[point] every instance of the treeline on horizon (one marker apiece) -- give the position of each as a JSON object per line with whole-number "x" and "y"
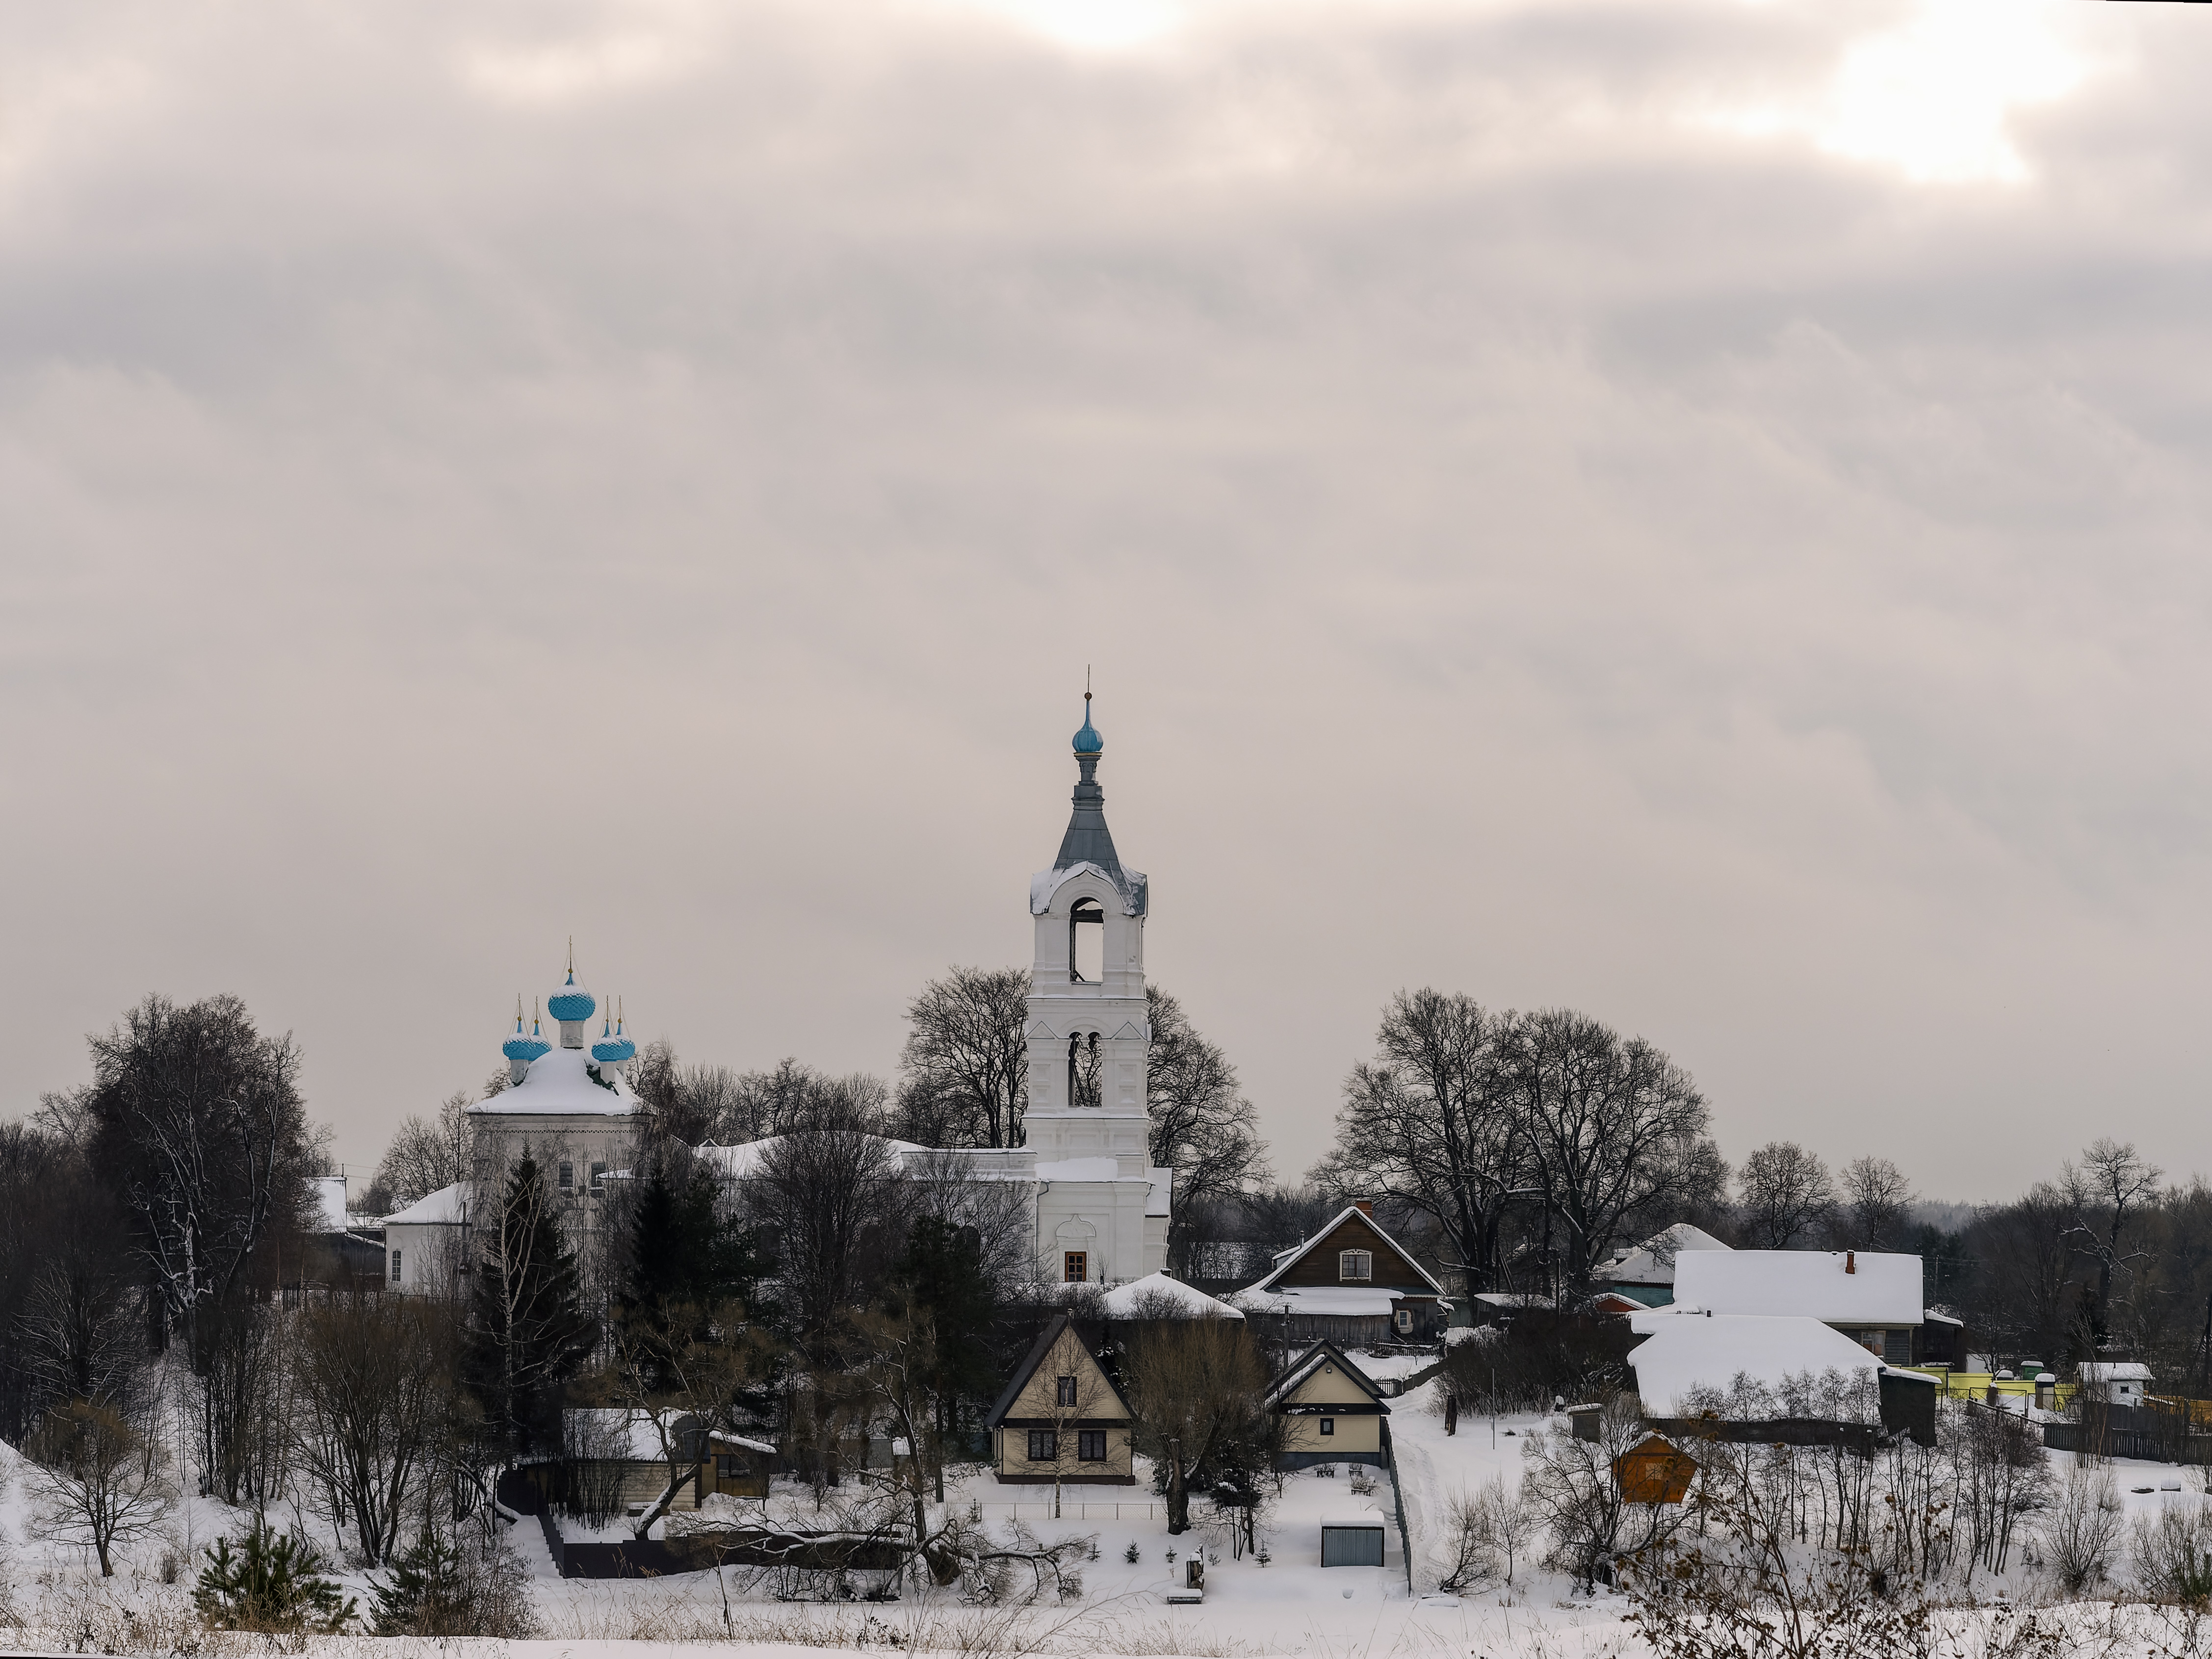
{"x": 152, "y": 1218}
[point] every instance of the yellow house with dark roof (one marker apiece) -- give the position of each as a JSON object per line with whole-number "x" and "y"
{"x": 1332, "y": 1410}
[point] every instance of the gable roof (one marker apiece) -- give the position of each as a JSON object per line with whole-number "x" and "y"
{"x": 1310, "y": 1361}
{"x": 1290, "y": 1259}
{"x": 1652, "y": 1262}
{"x": 1683, "y": 1352}
{"x": 1844, "y": 1287}
{"x": 1035, "y": 1357}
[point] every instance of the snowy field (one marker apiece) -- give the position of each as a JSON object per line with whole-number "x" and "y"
{"x": 1286, "y": 1604}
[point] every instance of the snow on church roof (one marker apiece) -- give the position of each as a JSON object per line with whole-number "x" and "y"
{"x": 446, "y": 1206}
{"x": 558, "y": 1083}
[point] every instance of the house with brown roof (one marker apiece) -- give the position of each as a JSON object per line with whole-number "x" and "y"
{"x": 1351, "y": 1284}
{"x": 1060, "y": 1419}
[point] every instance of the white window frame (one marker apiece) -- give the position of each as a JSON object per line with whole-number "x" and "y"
{"x": 396, "y": 1254}
{"x": 1355, "y": 1267}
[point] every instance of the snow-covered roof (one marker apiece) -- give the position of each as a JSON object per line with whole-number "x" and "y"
{"x": 1157, "y": 1297}
{"x": 1341, "y": 1301}
{"x": 446, "y": 1205}
{"x": 1353, "y": 1518}
{"x": 1841, "y": 1287}
{"x": 1684, "y": 1353}
{"x": 1321, "y": 1353}
{"x": 2114, "y": 1370}
{"x": 558, "y": 1084}
{"x": 330, "y": 1203}
{"x": 1652, "y": 1262}
{"x": 1289, "y": 1259}
{"x": 627, "y": 1433}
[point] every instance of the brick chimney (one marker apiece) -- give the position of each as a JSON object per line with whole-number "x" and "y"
{"x": 1365, "y": 1206}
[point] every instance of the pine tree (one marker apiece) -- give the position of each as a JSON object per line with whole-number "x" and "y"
{"x": 276, "y": 1582}
{"x": 428, "y": 1594}
{"x": 530, "y": 1334}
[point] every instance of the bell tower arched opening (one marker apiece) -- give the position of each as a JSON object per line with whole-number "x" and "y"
{"x": 1086, "y": 943}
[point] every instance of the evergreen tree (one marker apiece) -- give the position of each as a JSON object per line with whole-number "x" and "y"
{"x": 278, "y": 1581}
{"x": 941, "y": 1271}
{"x": 428, "y": 1594}
{"x": 530, "y": 1334}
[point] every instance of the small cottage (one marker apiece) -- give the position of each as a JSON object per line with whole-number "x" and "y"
{"x": 1350, "y": 1283}
{"x": 1061, "y": 1418}
{"x": 618, "y": 1460}
{"x": 1652, "y": 1470}
{"x": 1332, "y": 1410}
{"x": 2122, "y": 1382}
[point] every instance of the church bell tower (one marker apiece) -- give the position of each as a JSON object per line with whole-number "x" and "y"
{"x": 1089, "y": 1035}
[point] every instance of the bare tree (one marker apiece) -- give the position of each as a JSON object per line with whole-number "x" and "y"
{"x": 2027, "y": 1267}
{"x": 101, "y": 1476}
{"x": 1191, "y": 1382}
{"x": 427, "y": 1154}
{"x": 1202, "y": 1126}
{"x": 1875, "y": 1199}
{"x": 967, "y": 1054}
{"x": 2108, "y": 1189}
{"x": 1434, "y": 1121}
{"x": 1614, "y": 1130}
{"x": 1783, "y": 1194}
{"x": 374, "y": 1373}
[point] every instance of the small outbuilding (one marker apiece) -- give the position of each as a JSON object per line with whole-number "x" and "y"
{"x": 1655, "y": 1470}
{"x": 1350, "y": 1283}
{"x": 2123, "y": 1381}
{"x": 1352, "y": 1539}
{"x": 1332, "y": 1410}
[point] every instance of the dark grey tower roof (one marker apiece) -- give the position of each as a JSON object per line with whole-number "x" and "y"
{"x": 1088, "y": 841}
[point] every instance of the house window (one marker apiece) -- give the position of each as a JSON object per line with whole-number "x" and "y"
{"x": 1090, "y": 1446}
{"x": 568, "y": 1177}
{"x": 1355, "y": 1265}
{"x": 1405, "y": 1319}
{"x": 395, "y": 1267}
{"x": 598, "y": 1178}
{"x": 1328, "y": 1425}
{"x": 1065, "y": 1394}
{"x": 1044, "y": 1446}
{"x": 1074, "y": 1265}
{"x": 728, "y": 1467}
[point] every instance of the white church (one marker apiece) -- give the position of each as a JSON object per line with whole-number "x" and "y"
{"x": 1098, "y": 1206}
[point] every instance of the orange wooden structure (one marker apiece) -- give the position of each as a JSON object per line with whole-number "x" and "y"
{"x": 1653, "y": 1472}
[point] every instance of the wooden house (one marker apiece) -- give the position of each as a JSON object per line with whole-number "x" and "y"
{"x": 1061, "y": 1418}
{"x": 616, "y": 1460}
{"x": 1350, "y": 1284}
{"x": 1332, "y": 1410}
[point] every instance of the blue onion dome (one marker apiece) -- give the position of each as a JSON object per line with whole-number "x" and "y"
{"x": 572, "y": 1001}
{"x": 524, "y": 1046}
{"x": 1087, "y": 741}
{"x": 612, "y": 1048}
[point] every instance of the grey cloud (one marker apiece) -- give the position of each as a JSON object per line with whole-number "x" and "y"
{"x": 1527, "y": 541}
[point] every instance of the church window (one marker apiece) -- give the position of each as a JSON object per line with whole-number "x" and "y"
{"x": 395, "y": 1267}
{"x": 1086, "y": 943}
{"x": 1085, "y": 1070}
{"x": 1065, "y": 1395}
{"x": 1357, "y": 1265}
{"x": 1074, "y": 1265}
{"x": 598, "y": 1178}
{"x": 568, "y": 1177}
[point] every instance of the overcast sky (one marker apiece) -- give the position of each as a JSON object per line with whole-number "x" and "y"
{"x": 1693, "y": 512}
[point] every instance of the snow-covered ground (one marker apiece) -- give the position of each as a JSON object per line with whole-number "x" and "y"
{"x": 1287, "y": 1605}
